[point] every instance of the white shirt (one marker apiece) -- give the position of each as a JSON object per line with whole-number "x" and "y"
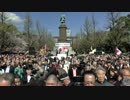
{"x": 66, "y": 67}
{"x": 1, "y": 71}
{"x": 28, "y": 78}
{"x": 74, "y": 72}
{"x": 45, "y": 67}
{"x": 7, "y": 69}
{"x": 67, "y": 62}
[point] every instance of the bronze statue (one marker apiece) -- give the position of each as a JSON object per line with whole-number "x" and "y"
{"x": 62, "y": 19}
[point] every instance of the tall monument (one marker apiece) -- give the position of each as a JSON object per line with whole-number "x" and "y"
{"x": 62, "y": 46}
{"x": 62, "y": 30}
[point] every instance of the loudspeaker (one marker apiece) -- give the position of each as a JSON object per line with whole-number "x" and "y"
{"x": 32, "y": 51}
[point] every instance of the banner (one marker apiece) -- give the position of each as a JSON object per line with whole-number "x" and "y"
{"x": 59, "y": 56}
{"x": 62, "y": 44}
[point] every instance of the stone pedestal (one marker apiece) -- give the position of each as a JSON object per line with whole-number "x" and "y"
{"x": 62, "y": 33}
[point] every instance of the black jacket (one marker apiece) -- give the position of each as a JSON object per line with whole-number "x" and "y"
{"x": 70, "y": 84}
{"x": 11, "y": 69}
{"x": 105, "y": 83}
{"x": 25, "y": 82}
{"x": 70, "y": 73}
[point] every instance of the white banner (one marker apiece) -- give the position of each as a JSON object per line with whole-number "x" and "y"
{"x": 62, "y": 44}
{"x": 61, "y": 55}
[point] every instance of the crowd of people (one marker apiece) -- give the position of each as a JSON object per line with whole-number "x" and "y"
{"x": 91, "y": 70}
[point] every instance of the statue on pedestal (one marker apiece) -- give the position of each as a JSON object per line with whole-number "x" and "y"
{"x": 62, "y": 19}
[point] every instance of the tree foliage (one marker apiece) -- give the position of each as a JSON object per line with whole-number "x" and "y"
{"x": 117, "y": 34}
{"x": 7, "y": 32}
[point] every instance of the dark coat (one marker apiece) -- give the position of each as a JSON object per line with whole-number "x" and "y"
{"x": 105, "y": 83}
{"x": 118, "y": 83}
{"x": 11, "y": 69}
{"x": 70, "y": 73}
{"x": 70, "y": 84}
{"x": 25, "y": 82}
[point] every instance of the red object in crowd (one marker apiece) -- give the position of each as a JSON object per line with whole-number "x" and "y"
{"x": 118, "y": 52}
{"x": 56, "y": 66}
{"x": 64, "y": 48}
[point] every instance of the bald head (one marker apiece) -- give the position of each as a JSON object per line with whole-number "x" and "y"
{"x": 6, "y": 79}
{"x": 52, "y": 80}
{"x": 125, "y": 73}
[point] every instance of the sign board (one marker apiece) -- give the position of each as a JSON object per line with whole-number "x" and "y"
{"x": 62, "y": 44}
{"x": 59, "y": 56}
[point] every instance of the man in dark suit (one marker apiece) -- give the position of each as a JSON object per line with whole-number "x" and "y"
{"x": 60, "y": 51}
{"x": 28, "y": 78}
{"x": 67, "y": 52}
{"x": 56, "y": 52}
{"x": 8, "y": 68}
{"x": 74, "y": 72}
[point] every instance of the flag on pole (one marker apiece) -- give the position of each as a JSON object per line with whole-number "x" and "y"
{"x": 91, "y": 48}
{"x": 118, "y": 52}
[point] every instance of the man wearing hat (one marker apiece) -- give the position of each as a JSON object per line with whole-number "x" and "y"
{"x": 101, "y": 81}
{"x": 66, "y": 80}
{"x": 28, "y": 78}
